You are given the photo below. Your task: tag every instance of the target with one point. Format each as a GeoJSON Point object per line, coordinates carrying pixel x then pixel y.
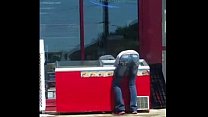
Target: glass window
{"type": "Point", "coordinates": [59, 28]}
{"type": "Point", "coordinates": [110, 26]}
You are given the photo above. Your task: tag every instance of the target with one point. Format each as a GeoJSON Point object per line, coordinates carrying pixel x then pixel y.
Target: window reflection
{"type": "Point", "coordinates": [59, 27]}
{"type": "Point", "coordinates": [109, 30]}
{"type": "Point", "coordinates": [110, 26]}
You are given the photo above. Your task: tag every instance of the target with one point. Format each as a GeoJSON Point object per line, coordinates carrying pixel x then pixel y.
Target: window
{"type": "Point", "coordinates": [110, 27]}
{"type": "Point", "coordinates": [59, 28]}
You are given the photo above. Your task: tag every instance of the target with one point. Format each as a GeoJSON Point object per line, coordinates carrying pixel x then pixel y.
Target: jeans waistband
{"type": "Point", "coordinates": [129, 59]}
{"type": "Point", "coordinates": [123, 63]}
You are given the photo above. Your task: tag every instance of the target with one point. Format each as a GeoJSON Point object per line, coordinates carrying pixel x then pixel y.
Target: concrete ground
{"type": "Point", "coordinates": [151, 113]}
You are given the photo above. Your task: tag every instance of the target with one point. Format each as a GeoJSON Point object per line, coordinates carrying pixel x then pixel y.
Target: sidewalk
{"type": "Point", "coordinates": [152, 113]}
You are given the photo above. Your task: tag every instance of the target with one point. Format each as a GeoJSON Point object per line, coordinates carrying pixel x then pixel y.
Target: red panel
{"type": "Point", "coordinates": [150, 30]}
{"type": "Point", "coordinates": [143, 86]}
{"type": "Point", "coordinates": [76, 94]}
{"type": "Point", "coordinates": [94, 94]}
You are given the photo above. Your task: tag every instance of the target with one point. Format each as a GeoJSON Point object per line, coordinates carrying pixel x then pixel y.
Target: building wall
{"type": "Point", "coordinates": [150, 30]}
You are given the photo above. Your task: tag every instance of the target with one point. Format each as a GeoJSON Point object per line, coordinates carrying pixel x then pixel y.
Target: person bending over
{"type": "Point", "coordinates": [126, 63]}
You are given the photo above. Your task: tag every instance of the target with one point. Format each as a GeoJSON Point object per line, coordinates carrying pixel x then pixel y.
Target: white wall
{"type": "Point", "coordinates": [164, 38]}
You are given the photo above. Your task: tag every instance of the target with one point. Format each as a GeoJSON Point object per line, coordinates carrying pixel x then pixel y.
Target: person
{"type": "Point", "coordinates": [126, 63]}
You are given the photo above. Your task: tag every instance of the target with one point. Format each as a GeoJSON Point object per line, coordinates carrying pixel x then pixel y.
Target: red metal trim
{"type": "Point", "coordinates": [150, 30]}
{"type": "Point", "coordinates": [81, 13]}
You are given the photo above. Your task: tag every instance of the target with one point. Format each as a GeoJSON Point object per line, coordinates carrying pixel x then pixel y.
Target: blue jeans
{"type": "Point", "coordinates": [128, 65]}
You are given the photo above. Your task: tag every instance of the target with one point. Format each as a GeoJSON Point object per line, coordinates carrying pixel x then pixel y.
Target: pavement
{"type": "Point", "coordinates": [151, 113]}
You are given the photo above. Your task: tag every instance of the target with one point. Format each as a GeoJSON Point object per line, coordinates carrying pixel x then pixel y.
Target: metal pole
{"type": "Point", "coordinates": [105, 23]}
{"type": "Point", "coordinates": [81, 13]}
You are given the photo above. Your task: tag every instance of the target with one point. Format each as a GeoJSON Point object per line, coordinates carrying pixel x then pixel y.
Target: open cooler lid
{"type": "Point", "coordinates": [102, 65]}
{"type": "Point", "coordinates": [110, 63]}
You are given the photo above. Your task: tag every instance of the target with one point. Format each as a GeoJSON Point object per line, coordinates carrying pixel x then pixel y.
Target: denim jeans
{"type": "Point", "coordinates": [128, 65]}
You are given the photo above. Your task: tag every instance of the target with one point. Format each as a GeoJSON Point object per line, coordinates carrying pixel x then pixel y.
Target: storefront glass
{"type": "Point", "coordinates": [110, 26]}
{"type": "Point", "coordinates": [59, 28]}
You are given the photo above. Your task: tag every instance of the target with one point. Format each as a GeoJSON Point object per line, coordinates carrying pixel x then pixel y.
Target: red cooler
{"type": "Point", "coordinates": [86, 86]}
